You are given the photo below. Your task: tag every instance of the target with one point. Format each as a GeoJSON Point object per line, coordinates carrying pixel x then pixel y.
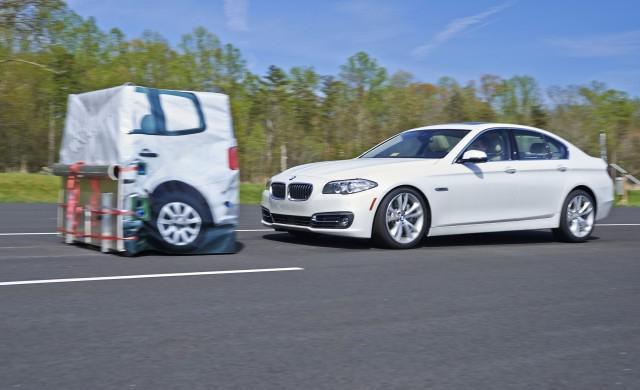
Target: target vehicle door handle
{"type": "Point", "coordinates": [147, 153]}
{"type": "Point", "coordinates": [562, 168]}
{"type": "Point", "coordinates": [510, 170]}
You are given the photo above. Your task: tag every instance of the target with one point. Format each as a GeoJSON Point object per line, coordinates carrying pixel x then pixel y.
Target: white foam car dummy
{"type": "Point", "coordinates": [445, 179]}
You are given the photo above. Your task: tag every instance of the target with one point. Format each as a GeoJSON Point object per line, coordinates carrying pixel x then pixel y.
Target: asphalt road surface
{"type": "Point", "coordinates": [487, 311]}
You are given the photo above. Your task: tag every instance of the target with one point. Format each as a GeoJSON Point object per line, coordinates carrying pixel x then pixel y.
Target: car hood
{"type": "Point", "coordinates": [357, 168]}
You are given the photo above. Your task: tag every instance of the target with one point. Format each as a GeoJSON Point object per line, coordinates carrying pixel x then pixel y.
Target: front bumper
{"type": "Point", "coordinates": [323, 213]}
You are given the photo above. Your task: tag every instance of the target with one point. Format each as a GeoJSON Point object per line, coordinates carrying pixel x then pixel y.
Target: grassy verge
{"type": "Point", "coordinates": [634, 198]}
{"type": "Point", "coordinates": [34, 188]}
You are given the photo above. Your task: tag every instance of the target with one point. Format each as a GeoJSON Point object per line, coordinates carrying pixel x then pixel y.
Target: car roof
{"type": "Point", "coordinates": [474, 126]}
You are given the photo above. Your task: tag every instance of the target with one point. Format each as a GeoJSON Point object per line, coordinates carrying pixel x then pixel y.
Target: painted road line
{"type": "Point", "coordinates": [51, 234]}
{"type": "Point", "coordinates": [122, 277]}
{"type": "Point", "coordinates": [617, 224]}
{"type": "Point", "coordinates": [27, 234]}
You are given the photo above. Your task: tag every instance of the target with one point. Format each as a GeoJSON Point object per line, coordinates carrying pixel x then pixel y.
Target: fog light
{"type": "Point", "coordinates": [344, 221]}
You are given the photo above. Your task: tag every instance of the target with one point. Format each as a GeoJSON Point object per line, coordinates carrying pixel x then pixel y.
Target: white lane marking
{"type": "Point", "coordinates": [26, 234]}
{"type": "Point", "coordinates": [617, 224]}
{"type": "Point", "coordinates": [33, 246]}
{"type": "Point", "coordinates": [237, 271]}
{"type": "Point", "coordinates": [51, 234]}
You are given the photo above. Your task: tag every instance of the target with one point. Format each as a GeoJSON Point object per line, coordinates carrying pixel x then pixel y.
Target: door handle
{"type": "Point", "coordinates": [510, 170]}
{"type": "Point", "coordinates": [562, 168]}
{"type": "Point", "coordinates": [147, 153]}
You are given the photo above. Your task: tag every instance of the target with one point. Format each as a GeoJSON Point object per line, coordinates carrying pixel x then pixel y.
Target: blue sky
{"type": "Point", "coordinates": [558, 42]}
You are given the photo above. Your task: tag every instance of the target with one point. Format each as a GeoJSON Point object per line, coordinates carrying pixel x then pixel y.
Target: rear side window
{"type": "Point", "coordinates": [170, 113]}
{"type": "Point", "coordinates": [536, 146]}
{"type": "Point", "coordinates": [180, 112]}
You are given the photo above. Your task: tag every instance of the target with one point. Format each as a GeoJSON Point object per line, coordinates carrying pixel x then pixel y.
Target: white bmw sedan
{"type": "Point", "coordinates": [445, 179]}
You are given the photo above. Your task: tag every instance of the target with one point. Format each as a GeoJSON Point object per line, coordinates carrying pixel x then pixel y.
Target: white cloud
{"type": "Point", "coordinates": [604, 45]}
{"type": "Point", "coordinates": [457, 27]}
{"type": "Point", "coordinates": [235, 12]}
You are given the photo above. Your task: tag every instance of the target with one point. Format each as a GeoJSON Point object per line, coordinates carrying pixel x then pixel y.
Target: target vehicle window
{"type": "Point", "coordinates": [167, 112]}
{"type": "Point", "coordinates": [445, 179]}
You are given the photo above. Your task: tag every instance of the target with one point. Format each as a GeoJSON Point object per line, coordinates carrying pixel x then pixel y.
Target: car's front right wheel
{"type": "Point", "coordinates": [401, 220]}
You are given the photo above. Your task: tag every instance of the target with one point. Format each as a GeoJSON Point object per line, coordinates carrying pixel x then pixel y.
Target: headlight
{"type": "Point", "coordinates": [268, 185]}
{"type": "Point", "coordinates": [351, 186]}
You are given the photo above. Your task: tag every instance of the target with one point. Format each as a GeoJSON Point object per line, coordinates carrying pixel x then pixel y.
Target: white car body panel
{"type": "Point", "coordinates": [463, 198]}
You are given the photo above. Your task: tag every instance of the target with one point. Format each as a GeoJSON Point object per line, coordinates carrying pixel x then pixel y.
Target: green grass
{"type": "Point", "coordinates": [251, 193]}
{"type": "Point", "coordinates": [634, 198]}
{"type": "Point", "coordinates": [28, 188]}
{"type": "Point", "coordinates": [35, 188]}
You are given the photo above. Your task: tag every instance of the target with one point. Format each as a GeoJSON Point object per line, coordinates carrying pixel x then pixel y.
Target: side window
{"type": "Point", "coordinates": [535, 146]}
{"type": "Point", "coordinates": [167, 113]}
{"type": "Point", "coordinates": [180, 112]}
{"type": "Point", "coordinates": [495, 143]}
{"type": "Point", "coordinates": [556, 149]}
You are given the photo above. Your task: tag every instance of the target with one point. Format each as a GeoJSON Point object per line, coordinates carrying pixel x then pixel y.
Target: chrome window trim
{"type": "Point", "coordinates": [511, 135]}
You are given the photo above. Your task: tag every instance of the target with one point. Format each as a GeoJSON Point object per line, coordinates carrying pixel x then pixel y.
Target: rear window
{"type": "Point", "coordinates": [168, 113]}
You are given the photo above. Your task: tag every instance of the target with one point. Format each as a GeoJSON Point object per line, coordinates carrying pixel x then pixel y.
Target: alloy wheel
{"type": "Point", "coordinates": [580, 216]}
{"type": "Point", "coordinates": [404, 218]}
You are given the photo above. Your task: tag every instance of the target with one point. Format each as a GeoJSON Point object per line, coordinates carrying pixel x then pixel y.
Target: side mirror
{"type": "Point", "coordinates": [474, 156]}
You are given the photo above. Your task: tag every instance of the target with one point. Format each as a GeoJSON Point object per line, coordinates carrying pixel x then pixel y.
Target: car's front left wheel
{"type": "Point", "coordinates": [401, 220]}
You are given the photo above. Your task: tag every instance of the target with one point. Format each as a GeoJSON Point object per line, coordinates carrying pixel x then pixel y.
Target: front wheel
{"type": "Point", "coordinates": [577, 217]}
{"type": "Point", "coordinates": [401, 220]}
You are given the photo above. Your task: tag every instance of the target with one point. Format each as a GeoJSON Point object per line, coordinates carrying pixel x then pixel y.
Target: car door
{"type": "Point", "coordinates": [170, 139]}
{"type": "Point", "coordinates": [541, 165]}
{"type": "Point", "coordinates": [478, 193]}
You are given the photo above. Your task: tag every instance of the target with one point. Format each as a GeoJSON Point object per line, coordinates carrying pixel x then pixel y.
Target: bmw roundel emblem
{"type": "Point", "coordinates": [292, 177]}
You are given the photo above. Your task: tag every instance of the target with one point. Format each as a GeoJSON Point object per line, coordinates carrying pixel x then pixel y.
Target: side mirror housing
{"type": "Point", "coordinates": [474, 156]}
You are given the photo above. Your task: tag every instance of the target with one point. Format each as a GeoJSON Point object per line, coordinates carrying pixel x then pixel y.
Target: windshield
{"type": "Point", "coordinates": [418, 144]}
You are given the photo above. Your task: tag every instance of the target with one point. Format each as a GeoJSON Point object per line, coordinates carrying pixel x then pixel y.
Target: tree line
{"type": "Point", "coordinates": [283, 117]}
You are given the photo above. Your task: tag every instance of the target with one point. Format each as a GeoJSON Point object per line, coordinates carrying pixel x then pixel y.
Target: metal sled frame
{"type": "Point", "coordinates": [86, 210]}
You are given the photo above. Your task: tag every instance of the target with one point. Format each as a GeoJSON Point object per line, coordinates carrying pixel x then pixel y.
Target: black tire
{"type": "Point", "coordinates": [380, 232]}
{"type": "Point", "coordinates": [185, 197]}
{"type": "Point", "coordinates": [564, 232]}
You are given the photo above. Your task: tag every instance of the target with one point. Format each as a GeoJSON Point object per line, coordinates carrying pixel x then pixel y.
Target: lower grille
{"type": "Point", "coordinates": [300, 191]}
{"type": "Point", "coordinates": [337, 220]}
{"type": "Point", "coordinates": [266, 215]}
{"type": "Point", "coordinates": [278, 190]}
{"type": "Point", "coordinates": [291, 219]}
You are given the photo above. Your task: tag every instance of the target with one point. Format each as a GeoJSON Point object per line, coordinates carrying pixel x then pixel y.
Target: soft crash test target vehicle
{"type": "Point", "coordinates": [446, 179]}
{"type": "Point", "coordinates": [165, 159]}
